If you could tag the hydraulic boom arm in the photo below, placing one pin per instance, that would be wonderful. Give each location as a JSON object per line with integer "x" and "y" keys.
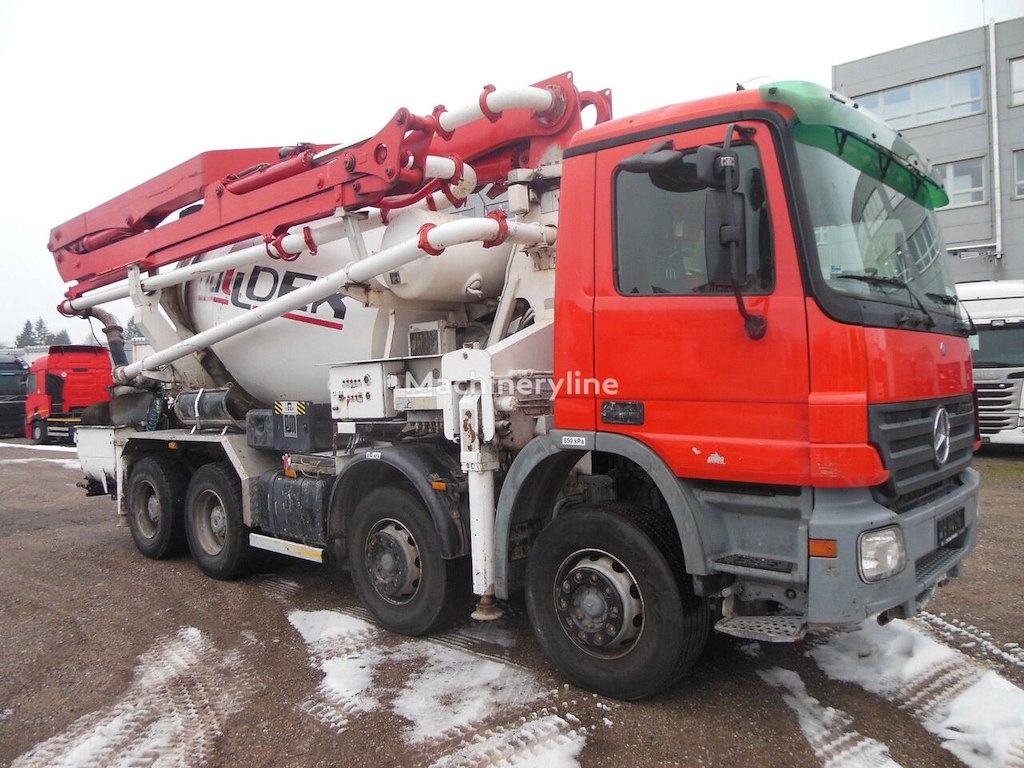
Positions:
{"x": 245, "y": 193}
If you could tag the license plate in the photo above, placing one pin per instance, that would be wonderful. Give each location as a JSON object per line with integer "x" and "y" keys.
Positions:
{"x": 949, "y": 526}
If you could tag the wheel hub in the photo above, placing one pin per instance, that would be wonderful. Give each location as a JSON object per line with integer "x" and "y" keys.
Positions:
{"x": 392, "y": 561}
{"x": 598, "y": 604}
{"x": 153, "y": 509}
{"x": 217, "y": 521}
{"x": 211, "y": 522}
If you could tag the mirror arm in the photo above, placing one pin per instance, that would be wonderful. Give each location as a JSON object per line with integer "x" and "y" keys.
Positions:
{"x": 755, "y": 325}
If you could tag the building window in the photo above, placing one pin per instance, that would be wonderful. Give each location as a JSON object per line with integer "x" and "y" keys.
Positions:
{"x": 1017, "y": 81}
{"x": 929, "y": 101}
{"x": 1018, "y": 173}
{"x": 964, "y": 181}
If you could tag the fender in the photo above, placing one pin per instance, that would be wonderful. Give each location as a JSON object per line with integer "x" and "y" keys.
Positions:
{"x": 419, "y": 465}
{"x": 537, "y": 474}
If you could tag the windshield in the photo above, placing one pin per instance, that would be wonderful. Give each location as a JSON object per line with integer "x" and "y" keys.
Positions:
{"x": 1001, "y": 347}
{"x": 12, "y": 384}
{"x": 873, "y": 241}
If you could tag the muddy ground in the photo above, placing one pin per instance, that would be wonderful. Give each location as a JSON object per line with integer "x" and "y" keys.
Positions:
{"x": 108, "y": 658}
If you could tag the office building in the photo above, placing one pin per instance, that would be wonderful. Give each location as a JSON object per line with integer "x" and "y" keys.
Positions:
{"x": 960, "y": 100}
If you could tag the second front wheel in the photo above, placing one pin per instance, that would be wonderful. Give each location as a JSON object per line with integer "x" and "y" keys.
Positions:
{"x": 394, "y": 553}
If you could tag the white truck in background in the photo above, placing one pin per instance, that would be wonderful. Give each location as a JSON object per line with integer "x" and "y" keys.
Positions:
{"x": 997, "y": 309}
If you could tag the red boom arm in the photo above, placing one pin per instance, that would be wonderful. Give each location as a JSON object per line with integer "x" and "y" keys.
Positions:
{"x": 262, "y": 192}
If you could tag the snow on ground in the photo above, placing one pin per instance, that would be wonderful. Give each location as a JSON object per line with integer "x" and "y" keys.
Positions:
{"x": 828, "y": 730}
{"x": 28, "y": 447}
{"x": 65, "y": 463}
{"x": 183, "y": 691}
{"x": 978, "y": 715}
{"x": 449, "y": 698}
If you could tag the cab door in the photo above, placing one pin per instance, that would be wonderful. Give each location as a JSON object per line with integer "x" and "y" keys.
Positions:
{"x": 677, "y": 367}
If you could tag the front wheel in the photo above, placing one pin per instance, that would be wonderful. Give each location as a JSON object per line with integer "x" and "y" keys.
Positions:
{"x": 394, "y": 553}
{"x": 217, "y": 536}
{"x": 610, "y": 603}
{"x": 39, "y": 433}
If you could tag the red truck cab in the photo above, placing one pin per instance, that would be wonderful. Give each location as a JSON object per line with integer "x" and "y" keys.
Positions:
{"x": 808, "y": 388}
{"x": 61, "y": 384}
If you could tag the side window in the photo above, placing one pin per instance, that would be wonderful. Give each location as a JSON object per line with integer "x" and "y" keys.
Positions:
{"x": 660, "y": 238}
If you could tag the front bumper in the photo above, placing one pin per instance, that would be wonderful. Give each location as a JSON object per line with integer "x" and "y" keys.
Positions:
{"x": 836, "y": 592}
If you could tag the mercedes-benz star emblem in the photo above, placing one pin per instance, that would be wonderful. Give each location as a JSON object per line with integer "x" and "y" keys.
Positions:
{"x": 940, "y": 435}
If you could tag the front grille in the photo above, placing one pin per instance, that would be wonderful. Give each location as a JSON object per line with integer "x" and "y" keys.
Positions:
{"x": 997, "y": 405}
{"x": 904, "y": 436}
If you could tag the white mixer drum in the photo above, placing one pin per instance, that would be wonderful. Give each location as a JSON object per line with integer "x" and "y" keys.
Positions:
{"x": 287, "y": 357}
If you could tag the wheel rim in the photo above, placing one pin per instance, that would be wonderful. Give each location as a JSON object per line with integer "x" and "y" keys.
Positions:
{"x": 146, "y": 510}
{"x": 210, "y": 522}
{"x": 392, "y": 561}
{"x": 599, "y": 604}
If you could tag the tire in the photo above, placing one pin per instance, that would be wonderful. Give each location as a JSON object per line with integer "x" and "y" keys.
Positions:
{"x": 394, "y": 553}
{"x": 610, "y": 602}
{"x": 217, "y": 537}
{"x": 156, "y": 504}
{"x": 39, "y": 434}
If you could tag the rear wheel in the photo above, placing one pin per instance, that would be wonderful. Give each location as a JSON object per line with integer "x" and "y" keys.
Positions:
{"x": 217, "y": 536}
{"x": 610, "y": 603}
{"x": 156, "y": 501}
{"x": 394, "y": 553}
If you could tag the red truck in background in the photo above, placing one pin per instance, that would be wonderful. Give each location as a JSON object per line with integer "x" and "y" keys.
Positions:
{"x": 61, "y": 384}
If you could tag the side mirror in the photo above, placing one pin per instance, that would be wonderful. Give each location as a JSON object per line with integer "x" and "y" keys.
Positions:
{"x": 727, "y": 266}
{"x": 666, "y": 168}
{"x": 713, "y": 166}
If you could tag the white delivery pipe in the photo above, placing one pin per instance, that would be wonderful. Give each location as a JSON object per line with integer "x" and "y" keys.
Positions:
{"x": 294, "y": 242}
{"x": 537, "y": 99}
{"x": 441, "y": 236}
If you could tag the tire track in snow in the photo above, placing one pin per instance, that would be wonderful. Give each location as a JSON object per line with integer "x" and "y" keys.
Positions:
{"x": 172, "y": 714}
{"x": 828, "y": 730}
{"x": 279, "y": 589}
{"x": 973, "y": 641}
{"x": 547, "y": 739}
{"x": 344, "y": 650}
{"x": 977, "y": 714}
{"x": 452, "y": 691}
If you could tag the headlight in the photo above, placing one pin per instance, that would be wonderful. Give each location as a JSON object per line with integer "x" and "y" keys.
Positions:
{"x": 882, "y": 553}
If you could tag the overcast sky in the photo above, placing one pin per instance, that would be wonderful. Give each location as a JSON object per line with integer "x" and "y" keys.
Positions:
{"x": 99, "y": 96}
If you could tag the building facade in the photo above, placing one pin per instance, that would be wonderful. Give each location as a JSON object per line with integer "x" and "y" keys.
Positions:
{"x": 960, "y": 100}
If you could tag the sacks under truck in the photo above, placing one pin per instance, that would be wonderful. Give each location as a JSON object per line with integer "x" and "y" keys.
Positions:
{"x": 696, "y": 369}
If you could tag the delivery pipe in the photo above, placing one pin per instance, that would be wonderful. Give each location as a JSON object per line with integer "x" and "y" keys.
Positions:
{"x": 436, "y": 239}
{"x": 537, "y": 99}
{"x": 294, "y": 242}
{"x": 114, "y": 333}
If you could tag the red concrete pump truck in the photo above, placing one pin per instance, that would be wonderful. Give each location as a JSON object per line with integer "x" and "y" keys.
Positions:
{"x": 699, "y": 368}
